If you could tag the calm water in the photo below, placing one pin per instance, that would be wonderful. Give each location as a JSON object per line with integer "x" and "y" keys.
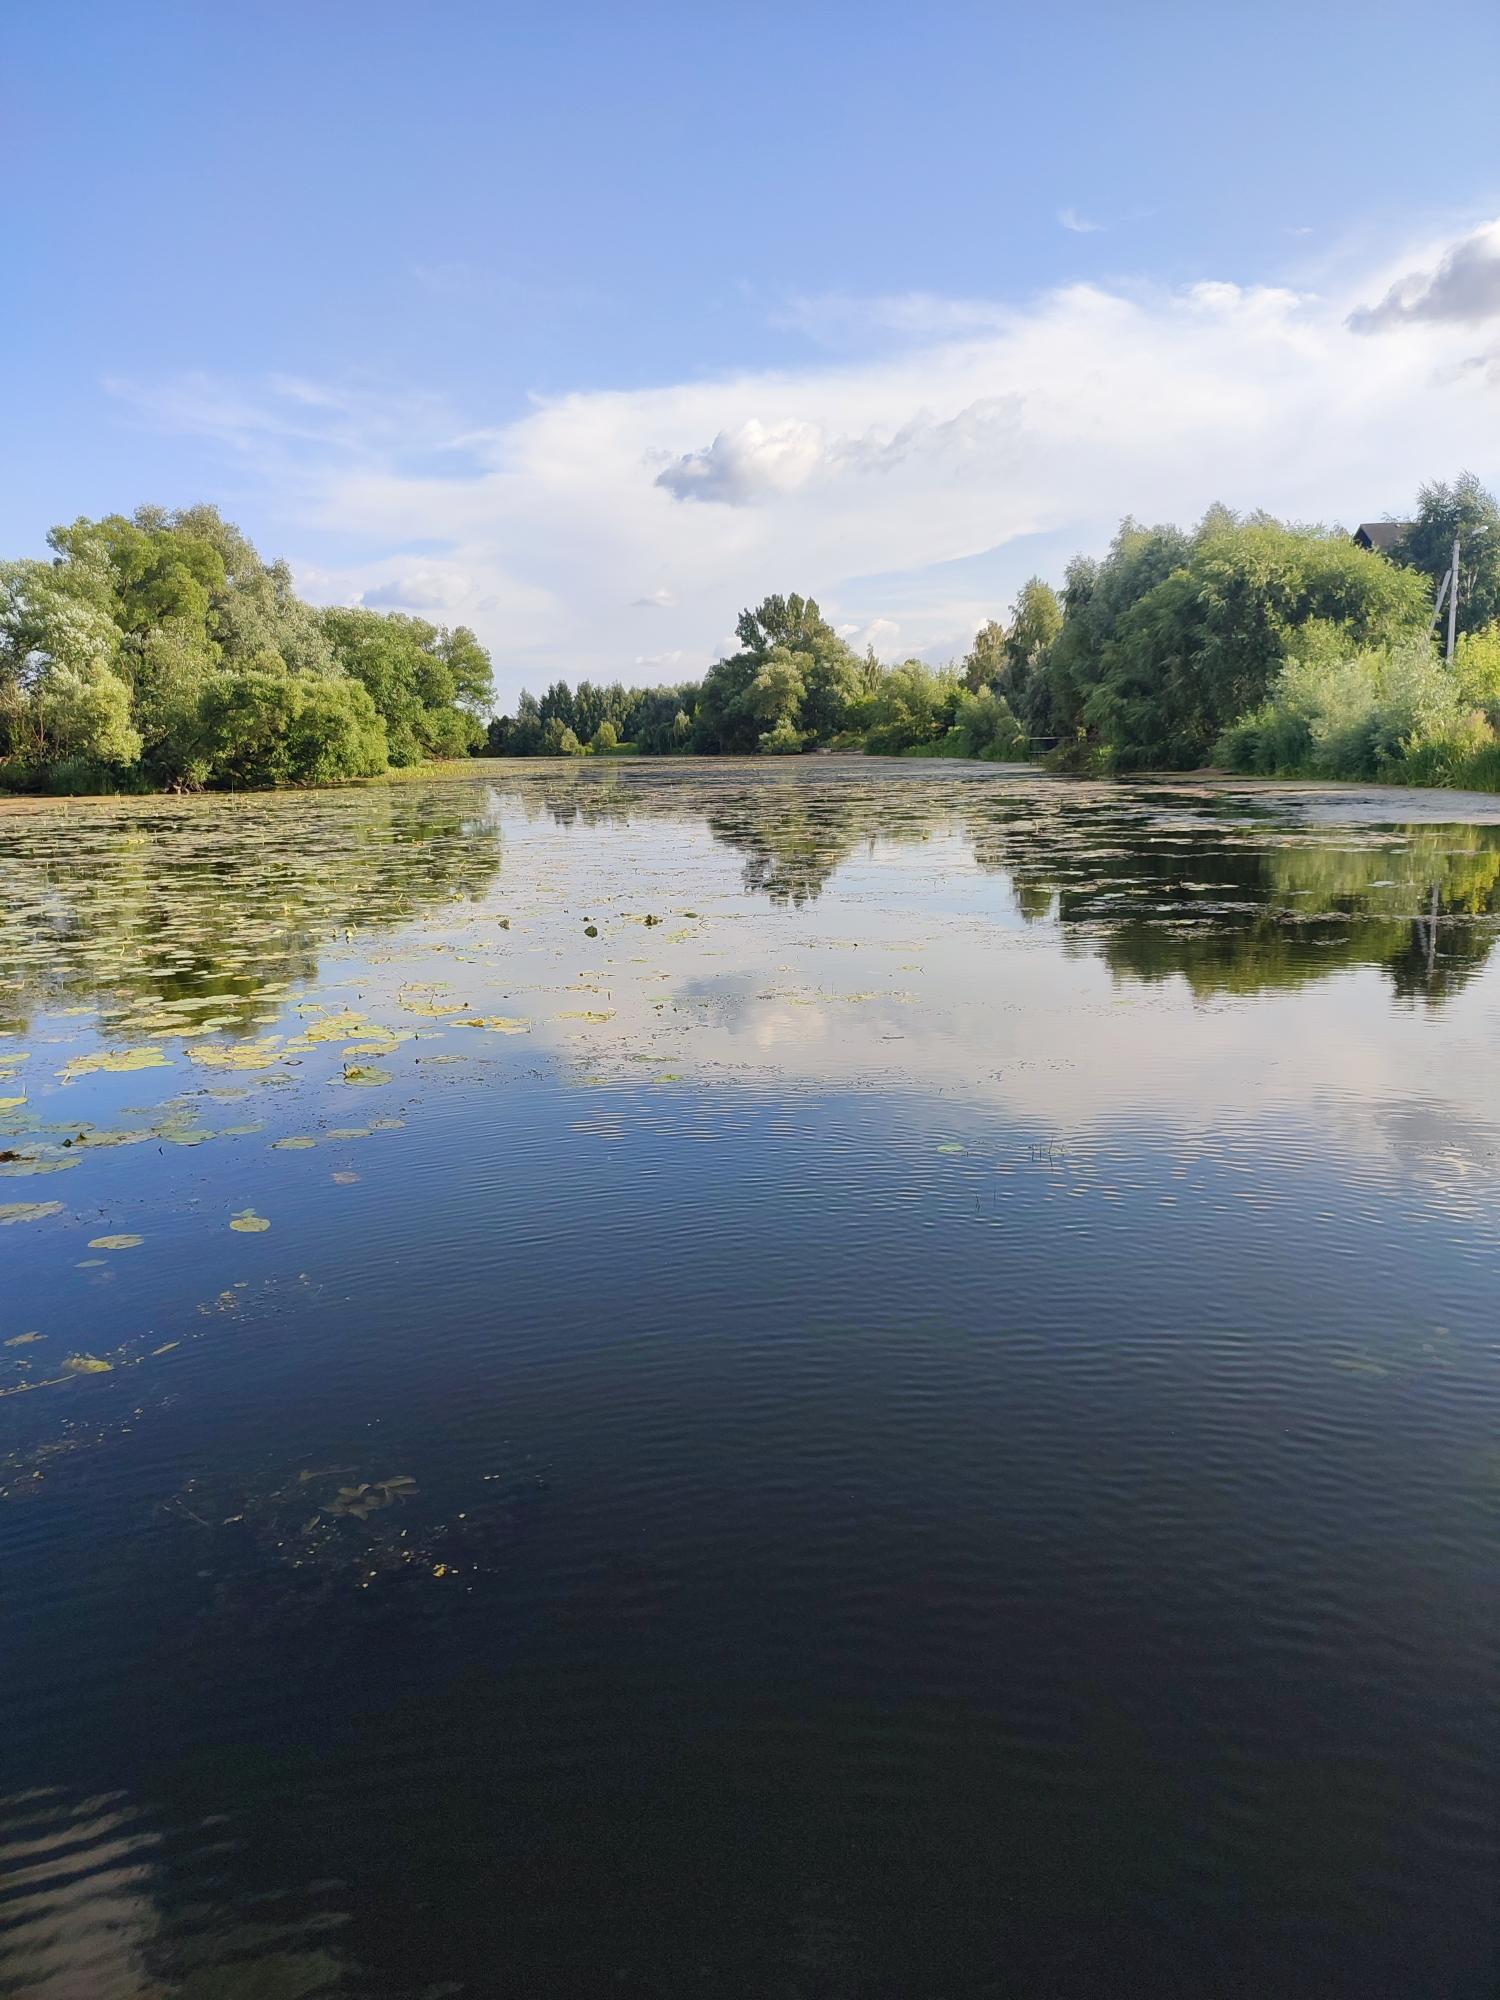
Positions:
{"x": 818, "y": 1383}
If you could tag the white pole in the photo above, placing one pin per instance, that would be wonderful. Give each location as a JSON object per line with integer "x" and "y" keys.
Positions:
{"x": 1453, "y": 604}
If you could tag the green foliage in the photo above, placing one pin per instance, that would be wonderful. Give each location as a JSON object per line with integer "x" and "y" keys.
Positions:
{"x": 914, "y": 705}
{"x": 558, "y": 740}
{"x": 161, "y": 651}
{"x": 1476, "y": 668}
{"x": 1467, "y": 510}
{"x": 985, "y": 660}
{"x": 1171, "y": 637}
{"x": 1385, "y": 712}
{"x": 428, "y": 706}
{"x": 986, "y": 727}
{"x": 794, "y": 683}
{"x": 1036, "y": 623}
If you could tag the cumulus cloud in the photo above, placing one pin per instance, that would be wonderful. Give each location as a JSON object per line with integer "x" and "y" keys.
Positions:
{"x": 1463, "y": 289}
{"x": 922, "y": 479}
{"x": 760, "y": 461}
{"x": 747, "y": 463}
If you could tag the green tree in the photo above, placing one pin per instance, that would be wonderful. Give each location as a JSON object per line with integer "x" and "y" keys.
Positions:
{"x": 1469, "y": 510}
{"x": 1036, "y": 620}
{"x": 986, "y": 659}
{"x": 794, "y": 676}
{"x": 913, "y": 708}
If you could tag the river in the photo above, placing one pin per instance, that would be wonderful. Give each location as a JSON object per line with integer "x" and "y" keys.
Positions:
{"x": 821, "y": 1380}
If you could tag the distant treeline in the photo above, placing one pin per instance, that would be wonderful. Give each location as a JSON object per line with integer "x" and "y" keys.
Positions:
{"x": 1248, "y": 642}
{"x": 160, "y": 652}
{"x": 793, "y": 685}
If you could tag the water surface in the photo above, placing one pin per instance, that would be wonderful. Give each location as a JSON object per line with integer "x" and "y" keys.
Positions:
{"x": 823, "y": 1382}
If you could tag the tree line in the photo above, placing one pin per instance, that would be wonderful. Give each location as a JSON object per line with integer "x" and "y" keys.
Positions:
{"x": 1258, "y": 644}
{"x": 794, "y": 684}
{"x": 159, "y": 652}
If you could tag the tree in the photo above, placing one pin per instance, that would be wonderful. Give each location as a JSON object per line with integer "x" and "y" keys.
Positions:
{"x": 1171, "y": 637}
{"x": 1466, "y": 509}
{"x": 558, "y": 740}
{"x": 1035, "y": 621}
{"x": 793, "y": 676}
{"x": 605, "y": 738}
{"x": 162, "y": 645}
{"x": 428, "y": 704}
{"x": 985, "y": 660}
{"x": 913, "y": 707}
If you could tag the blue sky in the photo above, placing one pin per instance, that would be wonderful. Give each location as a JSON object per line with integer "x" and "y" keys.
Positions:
{"x": 587, "y": 324}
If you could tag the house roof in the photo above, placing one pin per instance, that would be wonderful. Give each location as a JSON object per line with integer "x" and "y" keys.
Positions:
{"x": 1382, "y": 535}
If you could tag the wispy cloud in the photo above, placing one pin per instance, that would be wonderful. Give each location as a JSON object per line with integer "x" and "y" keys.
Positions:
{"x": 906, "y": 478}
{"x": 1079, "y": 224}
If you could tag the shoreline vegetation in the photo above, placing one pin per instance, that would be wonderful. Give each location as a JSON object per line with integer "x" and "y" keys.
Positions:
{"x": 1247, "y": 645}
{"x": 160, "y": 653}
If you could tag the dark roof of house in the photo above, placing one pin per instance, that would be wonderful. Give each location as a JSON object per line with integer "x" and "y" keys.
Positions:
{"x": 1380, "y": 535}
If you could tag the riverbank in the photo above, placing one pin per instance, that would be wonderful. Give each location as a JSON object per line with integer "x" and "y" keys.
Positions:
{"x": 1330, "y": 801}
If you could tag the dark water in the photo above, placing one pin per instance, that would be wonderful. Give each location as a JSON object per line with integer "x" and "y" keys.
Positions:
{"x": 923, "y": 1424}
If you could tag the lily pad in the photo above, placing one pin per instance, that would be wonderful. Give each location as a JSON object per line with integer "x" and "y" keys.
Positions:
{"x": 263, "y": 1054}
{"x": 124, "y": 1242}
{"x": 248, "y": 1223}
{"x": 88, "y": 1364}
{"x": 365, "y": 1073}
{"x": 27, "y": 1211}
{"x": 113, "y": 1060}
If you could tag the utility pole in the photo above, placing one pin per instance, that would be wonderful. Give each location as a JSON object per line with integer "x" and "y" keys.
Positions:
{"x": 1453, "y": 602}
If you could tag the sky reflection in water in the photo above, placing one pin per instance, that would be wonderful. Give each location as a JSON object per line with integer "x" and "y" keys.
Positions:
{"x": 823, "y": 1380}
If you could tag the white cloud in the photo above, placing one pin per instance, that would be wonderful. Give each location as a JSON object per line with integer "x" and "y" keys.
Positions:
{"x": 1079, "y": 224}
{"x": 437, "y": 590}
{"x": 909, "y": 480}
{"x": 1463, "y": 289}
{"x": 751, "y": 462}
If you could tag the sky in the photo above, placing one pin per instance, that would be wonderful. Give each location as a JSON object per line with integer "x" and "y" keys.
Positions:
{"x": 588, "y": 325}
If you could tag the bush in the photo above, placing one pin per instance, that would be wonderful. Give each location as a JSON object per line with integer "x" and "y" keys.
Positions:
{"x": 1361, "y": 717}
